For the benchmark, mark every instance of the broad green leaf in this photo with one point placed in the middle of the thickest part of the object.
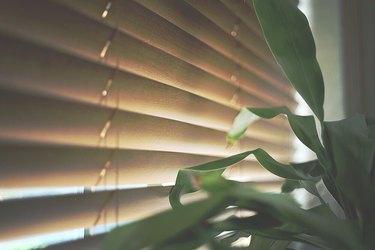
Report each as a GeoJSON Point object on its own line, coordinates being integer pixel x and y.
{"type": "Point", "coordinates": [185, 177]}
{"type": "Point", "coordinates": [289, 37]}
{"type": "Point", "coordinates": [352, 151]}
{"type": "Point", "coordinates": [303, 126]}
{"type": "Point", "coordinates": [310, 187]}
{"type": "Point", "coordinates": [277, 234]}
{"type": "Point", "coordinates": [291, 185]}
{"type": "Point", "coordinates": [255, 222]}
{"type": "Point", "coordinates": [320, 222]}
{"type": "Point", "coordinates": [305, 129]}
{"type": "Point", "coordinates": [353, 154]}
{"type": "Point", "coordinates": [258, 242]}
{"type": "Point", "coordinates": [188, 180]}
{"type": "Point", "coordinates": [192, 238]}
{"type": "Point", "coordinates": [277, 168]}
{"type": "Point", "coordinates": [165, 226]}
{"type": "Point", "coordinates": [312, 240]}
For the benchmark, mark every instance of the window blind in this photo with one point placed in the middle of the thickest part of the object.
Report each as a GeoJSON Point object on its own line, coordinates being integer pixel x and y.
{"type": "Point", "coordinates": [116, 93]}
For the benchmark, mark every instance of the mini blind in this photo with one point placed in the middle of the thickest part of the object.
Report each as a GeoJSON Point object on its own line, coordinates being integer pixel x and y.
{"type": "Point", "coordinates": [98, 93]}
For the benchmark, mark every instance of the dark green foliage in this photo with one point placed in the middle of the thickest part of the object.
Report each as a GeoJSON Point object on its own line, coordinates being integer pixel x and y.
{"type": "Point", "coordinates": [345, 164]}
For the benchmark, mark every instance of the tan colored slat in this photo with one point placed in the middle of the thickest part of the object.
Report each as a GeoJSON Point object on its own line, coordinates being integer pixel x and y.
{"type": "Point", "coordinates": [59, 213]}
{"type": "Point", "coordinates": [88, 38]}
{"type": "Point", "coordinates": [26, 217]}
{"type": "Point", "coordinates": [34, 119]}
{"type": "Point", "coordinates": [219, 14]}
{"type": "Point", "coordinates": [150, 28]}
{"type": "Point", "coordinates": [45, 165]}
{"type": "Point", "coordinates": [59, 75]}
{"type": "Point", "coordinates": [187, 18]}
{"type": "Point", "coordinates": [246, 13]}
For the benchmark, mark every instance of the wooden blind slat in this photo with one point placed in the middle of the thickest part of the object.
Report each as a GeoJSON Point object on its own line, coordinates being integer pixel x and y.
{"type": "Point", "coordinates": [136, 57]}
{"type": "Point", "coordinates": [55, 74]}
{"type": "Point", "coordinates": [232, 25]}
{"type": "Point", "coordinates": [50, 214]}
{"type": "Point", "coordinates": [152, 29]}
{"type": "Point", "coordinates": [189, 19]}
{"type": "Point", "coordinates": [29, 118]}
{"type": "Point", "coordinates": [129, 98]}
{"type": "Point", "coordinates": [88, 209]}
{"type": "Point", "coordinates": [45, 165]}
{"type": "Point", "coordinates": [245, 13]}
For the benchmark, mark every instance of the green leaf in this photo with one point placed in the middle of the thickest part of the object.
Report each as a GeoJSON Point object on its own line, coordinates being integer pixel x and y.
{"type": "Point", "coordinates": [319, 221]}
{"type": "Point", "coordinates": [165, 226]}
{"type": "Point", "coordinates": [240, 124]}
{"type": "Point", "coordinates": [255, 222]}
{"type": "Point", "coordinates": [353, 155]}
{"type": "Point", "coordinates": [303, 126]}
{"type": "Point", "coordinates": [188, 180]}
{"type": "Point", "coordinates": [291, 185]}
{"type": "Point", "coordinates": [258, 242]}
{"type": "Point", "coordinates": [192, 238]}
{"type": "Point", "coordinates": [289, 37]}
{"type": "Point", "coordinates": [352, 151]}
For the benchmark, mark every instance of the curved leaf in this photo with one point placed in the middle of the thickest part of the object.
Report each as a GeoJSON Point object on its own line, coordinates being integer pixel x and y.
{"type": "Point", "coordinates": [289, 37]}
{"type": "Point", "coordinates": [188, 180]}
{"type": "Point", "coordinates": [240, 124]}
{"type": "Point", "coordinates": [303, 126]}
{"type": "Point", "coordinates": [185, 177]}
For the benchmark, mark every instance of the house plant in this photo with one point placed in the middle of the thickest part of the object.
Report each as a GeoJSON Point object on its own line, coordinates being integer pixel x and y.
{"type": "Point", "coordinates": [345, 164]}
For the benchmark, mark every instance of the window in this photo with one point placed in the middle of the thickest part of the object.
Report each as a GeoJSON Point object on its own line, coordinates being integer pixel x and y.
{"type": "Point", "coordinates": [114, 97]}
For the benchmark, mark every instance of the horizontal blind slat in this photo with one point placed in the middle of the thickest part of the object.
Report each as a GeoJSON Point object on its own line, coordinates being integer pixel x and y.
{"type": "Point", "coordinates": [187, 18]}
{"type": "Point", "coordinates": [59, 75]}
{"type": "Point", "coordinates": [149, 27]}
{"type": "Point", "coordinates": [90, 37]}
{"type": "Point", "coordinates": [246, 13]}
{"type": "Point", "coordinates": [218, 13]}
{"type": "Point", "coordinates": [44, 165]}
{"type": "Point", "coordinates": [56, 130]}
{"type": "Point", "coordinates": [59, 213]}
{"type": "Point", "coordinates": [34, 119]}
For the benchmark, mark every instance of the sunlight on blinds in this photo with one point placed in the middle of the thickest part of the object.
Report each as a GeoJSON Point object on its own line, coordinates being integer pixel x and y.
{"type": "Point", "coordinates": [102, 102]}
